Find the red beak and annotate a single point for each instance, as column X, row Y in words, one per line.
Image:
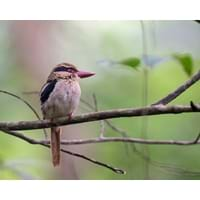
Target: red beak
column 83, row 74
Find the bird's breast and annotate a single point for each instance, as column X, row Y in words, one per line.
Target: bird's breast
column 63, row 100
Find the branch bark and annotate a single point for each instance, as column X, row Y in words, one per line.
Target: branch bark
column 96, row 116
column 129, row 140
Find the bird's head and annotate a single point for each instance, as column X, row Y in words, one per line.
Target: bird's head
column 68, row 71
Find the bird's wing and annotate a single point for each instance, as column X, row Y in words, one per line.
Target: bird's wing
column 46, row 90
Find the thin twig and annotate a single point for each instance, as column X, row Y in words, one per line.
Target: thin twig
column 27, row 103
column 102, row 125
column 44, row 143
column 102, row 129
column 21, row 99
column 87, row 104
column 128, row 140
column 115, row 128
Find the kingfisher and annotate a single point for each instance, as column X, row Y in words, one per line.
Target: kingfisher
column 60, row 97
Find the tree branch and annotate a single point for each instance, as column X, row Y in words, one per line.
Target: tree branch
column 26, row 103
column 171, row 96
column 127, row 140
column 105, row 140
column 96, row 116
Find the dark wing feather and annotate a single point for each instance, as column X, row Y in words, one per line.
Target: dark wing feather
column 46, row 90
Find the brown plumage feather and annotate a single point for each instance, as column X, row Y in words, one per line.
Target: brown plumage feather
column 55, row 145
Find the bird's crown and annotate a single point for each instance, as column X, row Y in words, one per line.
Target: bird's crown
column 62, row 71
column 65, row 67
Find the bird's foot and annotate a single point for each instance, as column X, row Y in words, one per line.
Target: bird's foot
column 53, row 120
column 70, row 117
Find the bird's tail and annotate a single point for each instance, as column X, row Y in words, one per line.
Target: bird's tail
column 55, row 145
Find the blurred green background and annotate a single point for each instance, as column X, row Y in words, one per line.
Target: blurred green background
column 30, row 49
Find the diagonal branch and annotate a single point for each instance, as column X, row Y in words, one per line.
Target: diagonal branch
column 26, row 103
column 173, row 95
column 96, row 116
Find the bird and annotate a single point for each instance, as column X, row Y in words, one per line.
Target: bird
column 60, row 97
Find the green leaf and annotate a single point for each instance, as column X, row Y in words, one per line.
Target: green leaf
column 131, row 62
column 186, row 62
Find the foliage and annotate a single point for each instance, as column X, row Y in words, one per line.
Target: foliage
column 186, row 62
column 131, row 62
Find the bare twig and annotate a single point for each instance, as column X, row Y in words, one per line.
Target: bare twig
column 102, row 125
column 21, row 99
column 102, row 129
column 44, row 143
column 115, row 128
column 87, row 104
column 173, row 95
column 129, row 140
column 96, row 116
column 95, row 102
column 27, row 103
